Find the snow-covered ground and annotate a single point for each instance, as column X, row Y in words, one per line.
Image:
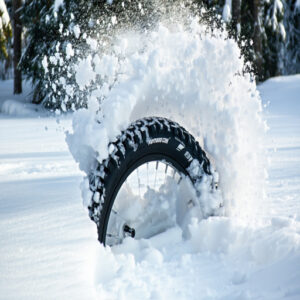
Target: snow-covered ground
column 49, row 248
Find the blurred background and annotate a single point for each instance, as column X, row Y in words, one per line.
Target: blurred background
column 34, row 36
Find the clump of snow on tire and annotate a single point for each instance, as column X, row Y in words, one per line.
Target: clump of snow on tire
column 192, row 77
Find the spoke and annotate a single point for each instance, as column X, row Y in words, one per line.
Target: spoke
column 166, row 170
column 155, row 174
column 180, row 178
column 117, row 214
column 173, row 176
column 147, row 174
column 139, row 182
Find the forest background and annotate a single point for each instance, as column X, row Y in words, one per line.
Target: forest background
column 40, row 41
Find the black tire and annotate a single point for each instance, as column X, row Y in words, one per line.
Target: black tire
column 148, row 139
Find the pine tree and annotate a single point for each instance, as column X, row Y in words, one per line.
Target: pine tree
column 274, row 28
column 40, row 34
column 60, row 37
column 290, row 58
column 5, row 40
column 17, row 30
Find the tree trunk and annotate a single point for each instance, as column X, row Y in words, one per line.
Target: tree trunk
column 257, row 37
column 236, row 15
column 17, row 35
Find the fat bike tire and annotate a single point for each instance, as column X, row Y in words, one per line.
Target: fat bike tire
column 146, row 140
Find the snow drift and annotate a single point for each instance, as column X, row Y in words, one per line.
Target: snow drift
column 224, row 259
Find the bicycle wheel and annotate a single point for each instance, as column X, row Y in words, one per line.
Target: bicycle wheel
column 135, row 190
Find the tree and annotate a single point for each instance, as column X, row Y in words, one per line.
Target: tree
column 5, row 40
column 236, row 15
column 62, row 34
column 257, row 37
column 289, row 58
column 274, row 28
column 61, row 37
column 55, row 34
column 17, row 30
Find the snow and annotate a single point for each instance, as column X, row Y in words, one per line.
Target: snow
column 183, row 74
column 5, row 16
column 76, row 31
column 49, row 247
column 57, row 4
column 227, row 11
column 45, row 64
column 282, row 89
column 85, row 73
column 69, row 51
column 282, row 109
column 18, row 105
column 223, row 260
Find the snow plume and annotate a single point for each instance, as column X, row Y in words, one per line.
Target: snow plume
column 186, row 74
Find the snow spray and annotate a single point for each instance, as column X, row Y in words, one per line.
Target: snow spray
column 182, row 71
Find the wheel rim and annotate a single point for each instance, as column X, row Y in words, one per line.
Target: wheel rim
column 155, row 196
